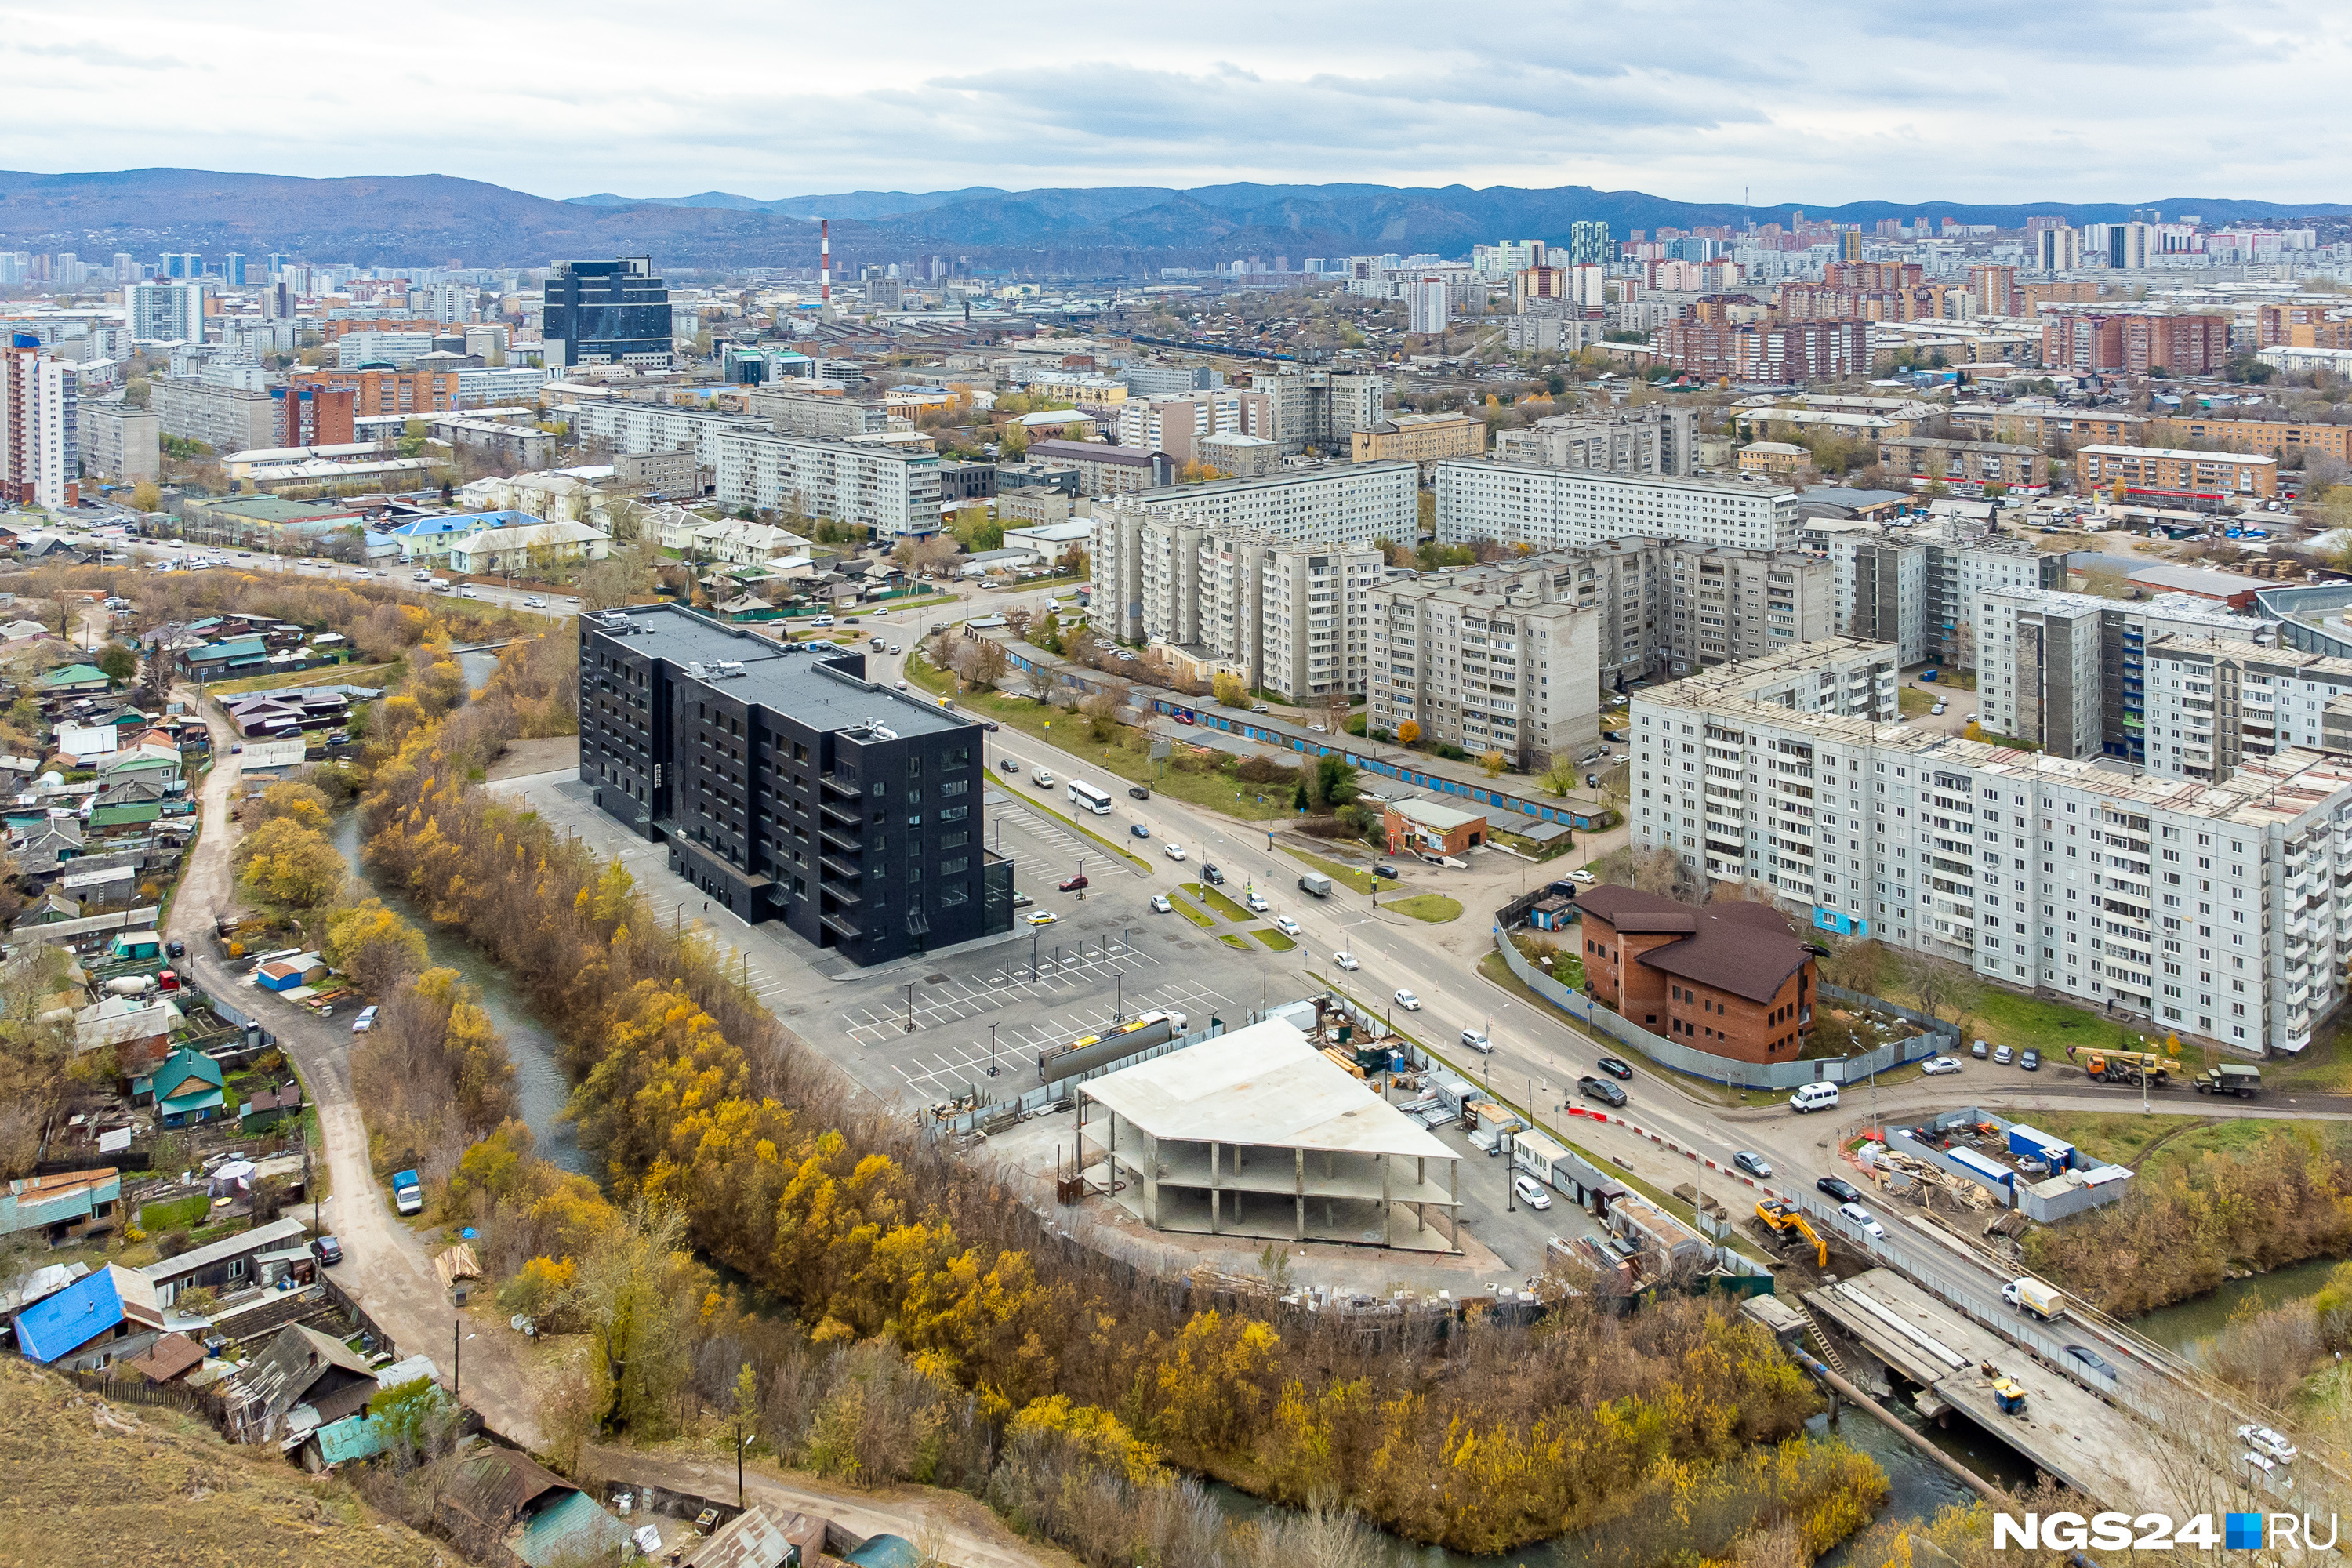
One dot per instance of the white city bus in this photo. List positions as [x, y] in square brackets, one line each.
[1086, 795]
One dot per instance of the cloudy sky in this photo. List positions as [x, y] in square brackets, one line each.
[1998, 100]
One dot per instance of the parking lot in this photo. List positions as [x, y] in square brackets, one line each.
[919, 1030]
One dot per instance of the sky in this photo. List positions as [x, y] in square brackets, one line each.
[1995, 101]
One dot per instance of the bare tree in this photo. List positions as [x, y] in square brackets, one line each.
[1038, 677]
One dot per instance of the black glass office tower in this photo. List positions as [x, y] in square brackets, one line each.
[606, 313]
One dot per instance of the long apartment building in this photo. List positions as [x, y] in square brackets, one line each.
[792, 412]
[2068, 672]
[1563, 508]
[2051, 426]
[2174, 475]
[1285, 616]
[1351, 504]
[1967, 468]
[2274, 437]
[1483, 665]
[1918, 588]
[2098, 343]
[2211, 909]
[2212, 704]
[1655, 438]
[870, 485]
[635, 429]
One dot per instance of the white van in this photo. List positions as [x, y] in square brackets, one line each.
[1814, 1096]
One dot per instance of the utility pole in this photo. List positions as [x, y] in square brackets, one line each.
[456, 1362]
[992, 1051]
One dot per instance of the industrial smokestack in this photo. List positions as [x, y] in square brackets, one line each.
[824, 267]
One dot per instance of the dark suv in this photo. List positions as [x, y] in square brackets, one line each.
[1599, 1089]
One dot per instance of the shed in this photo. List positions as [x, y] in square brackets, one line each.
[55, 1327]
[290, 973]
[2032, 1143]
[1990, 1171]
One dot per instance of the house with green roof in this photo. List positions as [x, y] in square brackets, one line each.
[69, 679]
[187, 1089]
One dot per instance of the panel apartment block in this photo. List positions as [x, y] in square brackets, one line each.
[1321, 410]
[1288, 617]
[890, 491]
[2212, 910]
[2212, 704]
[1348, 505]
[792, 412]
[633, 429]
[1655, 438]
[2014, 682]
[120, 443]
[1557, 509]
[1485, 668]
[1918, 588]
[787, 787]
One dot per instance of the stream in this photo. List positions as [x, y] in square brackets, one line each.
[541, 1091]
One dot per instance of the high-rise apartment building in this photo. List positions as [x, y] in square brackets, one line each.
[1587, 243]
[2210, 909]
[1775, 353]
[165, 312]
[789, 787]
[1178, 423]
[2095, 343]
[2027, 686]
[1654, 439]
[1426, 306]
[1286, 617]
[121, 444]
[1555, 509]
[2058, 250]
[605, 312]
[1485, 668]
[41, 426]
[1321, 410]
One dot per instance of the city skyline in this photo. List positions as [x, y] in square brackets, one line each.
[2010, 105]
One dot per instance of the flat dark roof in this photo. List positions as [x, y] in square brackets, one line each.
[826, 699]
[667, 631]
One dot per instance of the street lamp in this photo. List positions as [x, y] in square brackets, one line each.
[992, 1051]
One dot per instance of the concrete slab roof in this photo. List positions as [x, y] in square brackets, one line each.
[1267, 1086]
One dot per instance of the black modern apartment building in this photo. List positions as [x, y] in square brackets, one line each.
[789, 787]
[606, 313]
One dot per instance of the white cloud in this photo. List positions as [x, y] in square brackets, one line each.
[2005, 100]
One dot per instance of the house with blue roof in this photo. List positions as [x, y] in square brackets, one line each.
[225, 660]
[428, 539]
[92, 1322]
[186, 1089]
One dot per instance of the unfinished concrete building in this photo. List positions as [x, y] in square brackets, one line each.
[1257, 1134]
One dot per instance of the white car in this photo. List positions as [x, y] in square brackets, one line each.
[900, 685]
[534, 603]
[1936, 1067]
[1161, 906]
[1473, 1040]
[1408, 1001]
[1580, 877]
[1174, 851]
[2267, 1443]
[1256, 902]
[2252, 1460]
[1856, 1214]
[1346, 961]
[1286, 925]
[364, 1021]
[1531, 1192]
[1936, 710]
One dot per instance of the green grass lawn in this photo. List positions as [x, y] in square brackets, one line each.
[1229, 940]
[1363, 881]
[1274, 938]
[324, 675]
[2124, 1136]
[1221, 904]
[178, 1214]
[1126, 752]
[1910, 700]
[1436, 909]
[1199, 917]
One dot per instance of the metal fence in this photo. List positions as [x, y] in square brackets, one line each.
[1723, 1069]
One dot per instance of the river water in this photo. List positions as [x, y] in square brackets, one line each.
[542, 1090]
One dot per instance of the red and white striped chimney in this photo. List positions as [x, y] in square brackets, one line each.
[824, 267]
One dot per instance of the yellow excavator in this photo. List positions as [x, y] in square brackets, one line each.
[1787, 1224]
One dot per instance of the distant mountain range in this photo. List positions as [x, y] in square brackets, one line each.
[433, 218]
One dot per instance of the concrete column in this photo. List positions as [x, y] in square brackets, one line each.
[1110, 1153]
[1151, 1180]
[1453, 1216]
[1388, 1209]
[1298, 1189]
[1215, 1195]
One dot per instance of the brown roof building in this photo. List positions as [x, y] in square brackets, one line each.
[1730, 979]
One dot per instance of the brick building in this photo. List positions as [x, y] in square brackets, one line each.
[1730, 979]
[1777, 353]
[2090, 342]
[380, 391]
[2160, 471]
[1419, 827]
[2275, 436]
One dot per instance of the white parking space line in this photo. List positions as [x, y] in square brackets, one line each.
[947, 1069]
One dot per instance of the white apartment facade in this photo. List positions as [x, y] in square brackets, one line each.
[791, 412]
[633, 429]
[1323, 410]
[890, 491]
[2212, 705]
[1563, 508]
[1485, 668]
[1290, 618]
[165, 312]
[1177, 425]
[40, 432]
[120, 443]
[1655, 438]
[1347, 505]
[2210, 909]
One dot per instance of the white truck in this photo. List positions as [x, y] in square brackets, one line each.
[407, 1192]
[2033, 1296]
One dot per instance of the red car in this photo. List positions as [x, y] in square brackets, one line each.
[1075, 883]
